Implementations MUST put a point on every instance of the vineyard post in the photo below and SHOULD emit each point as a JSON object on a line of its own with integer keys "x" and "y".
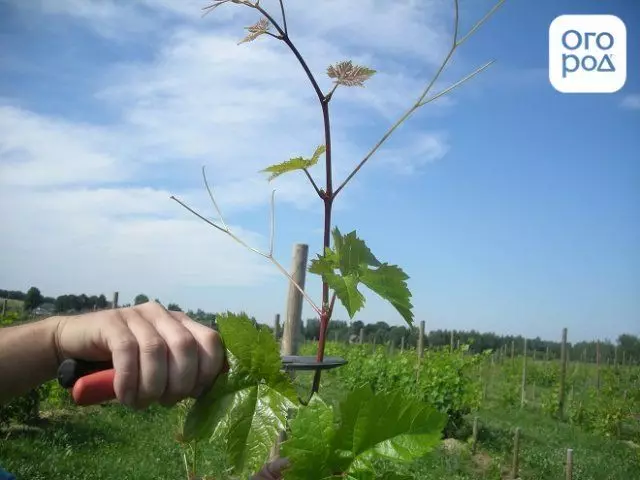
{"x": 361, "y": 339}
{"x": 533, "y": 391}
{"x": 421, "y": 340}
{"x": 474, "y": 436}
{"x": 451, "y": 341}
{"x": 293, "y": 319}
{"x": 114, "y": 303}
{"x": 391, "y": 347}
{"x": 546, "y": 356}
{"x": 624, "y": 357}
{"x": 523, "y": 395}
{"x": 373, "y": 349}
{"x": 516, "y": 454}
{"x": 569, "y": 464}
{"x": 563, "y": 373}
{"x": 615, "y": 356}
{"x": 598, "y": 366}
{"x": 533, "y": 358}
{"x": 513, "y": 350}
{"x": 402, "y": 344}
{"x": 276, "y": 328}
{"x": 458, "y": 344}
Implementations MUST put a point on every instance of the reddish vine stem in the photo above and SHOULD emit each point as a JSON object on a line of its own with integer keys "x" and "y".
{"x": 327, "y": 195}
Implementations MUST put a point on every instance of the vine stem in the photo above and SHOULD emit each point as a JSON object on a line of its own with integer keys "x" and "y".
{"x": 421, "y": 100}
{"x": 328, "y": 195}
{"x": 269, "y": 256}
{"x": 326, "y": 310}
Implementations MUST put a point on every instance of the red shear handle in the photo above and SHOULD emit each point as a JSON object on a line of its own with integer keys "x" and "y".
{"x": 94, "y": 388}
{"x": 97, "y": 387}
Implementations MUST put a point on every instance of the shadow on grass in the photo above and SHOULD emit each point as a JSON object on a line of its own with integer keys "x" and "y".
{"x": 64, "y": 429}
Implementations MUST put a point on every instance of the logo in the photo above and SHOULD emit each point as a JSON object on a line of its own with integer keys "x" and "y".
{"x": 587, "y": 53}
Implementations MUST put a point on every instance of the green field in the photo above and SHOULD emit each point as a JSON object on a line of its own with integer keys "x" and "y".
{"x": 13, "y": 305}
{"x": 111, "y": 442}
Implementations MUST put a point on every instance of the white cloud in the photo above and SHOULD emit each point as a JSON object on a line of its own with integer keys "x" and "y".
{"x": 39, "y": 151}
{"x": 417, "y": 151}
{"x": 631, "y": 102}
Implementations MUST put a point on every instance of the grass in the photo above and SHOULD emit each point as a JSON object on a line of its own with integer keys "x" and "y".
{"x": 12, "y": 304}
{"x": 112, "y": 442}
{"x": 103, "y": 442}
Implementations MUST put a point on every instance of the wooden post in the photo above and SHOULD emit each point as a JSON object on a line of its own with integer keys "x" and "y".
{"x": 516, "y": 454}
{"x": 402, "y": 344}
{"x": 458, "y": 344}
{"x": 335, "y": 336}
{"x": 533, "y": 392}
{"x": 513, "y": 349}
{"x": 421, "y": 340}
{"x": 615, "y": 356}
{"x": 361, "y": 336}
{"x": 563, "y": 373}
{"x": 293, "y": 322}
{"x": 569, "y": 464}
{"x": 474, "y": 437}
{"x": 523, "y": 395}
{"x": 114, "y": 303}
{"x": 546, "y": 356}
{"x": 451, "y": 341}
{"x": 598, "y": 366}
{"x": 533, "y": 358}
{"x": 276, "y": 327}
{"x": 391, "y": 347}
{"x": 624, "y": 357}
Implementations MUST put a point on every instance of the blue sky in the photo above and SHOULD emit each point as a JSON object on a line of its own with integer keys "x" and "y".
{"x": 513, "y": 208}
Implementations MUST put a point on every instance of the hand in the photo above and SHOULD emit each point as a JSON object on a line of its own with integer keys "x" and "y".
{"x": 157, "y": 355}
{"x": 272, "y": 470}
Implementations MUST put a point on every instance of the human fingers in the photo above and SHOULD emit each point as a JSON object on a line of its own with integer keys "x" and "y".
{"x": 181, "y": 352}
{"x": 210, "y": 352}
{"x": 152, "y": 360}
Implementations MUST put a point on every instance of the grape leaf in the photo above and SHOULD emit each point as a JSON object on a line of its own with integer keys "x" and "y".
{"x": 246, "y": 407}
{"x": 259, "y": 28}
{"x": 357, "y": 264}
{"x": 342, "y": 442}
{"x": 346, "y": 289}
{"x": 350, "y": 75}
{"x": 297, "y": 163}
{"x": 389, "y": 281}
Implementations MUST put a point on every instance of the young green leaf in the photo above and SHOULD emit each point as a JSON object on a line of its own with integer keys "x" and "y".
{"x": 342, "y": 442}
{"x": 259, "y": 28}
{"x": 247, "y": 407}
{"x": 357, "y": 264}
{"x": 350, "y": 75}
{"x": 297, "y": 163}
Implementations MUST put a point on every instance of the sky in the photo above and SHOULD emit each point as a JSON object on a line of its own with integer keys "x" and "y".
{"x": 512, "y": 207}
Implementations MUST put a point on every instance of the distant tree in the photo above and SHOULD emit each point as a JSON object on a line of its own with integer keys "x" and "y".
{"x": 174, "y": 307}
{"x": 355, "y": 327}
{"x": 101, "y": 302}
{"x": 33, "y": 299}
{"x": 140, "y": 298}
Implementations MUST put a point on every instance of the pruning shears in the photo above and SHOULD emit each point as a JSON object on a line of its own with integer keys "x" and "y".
{"x": 91, "y": 383}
